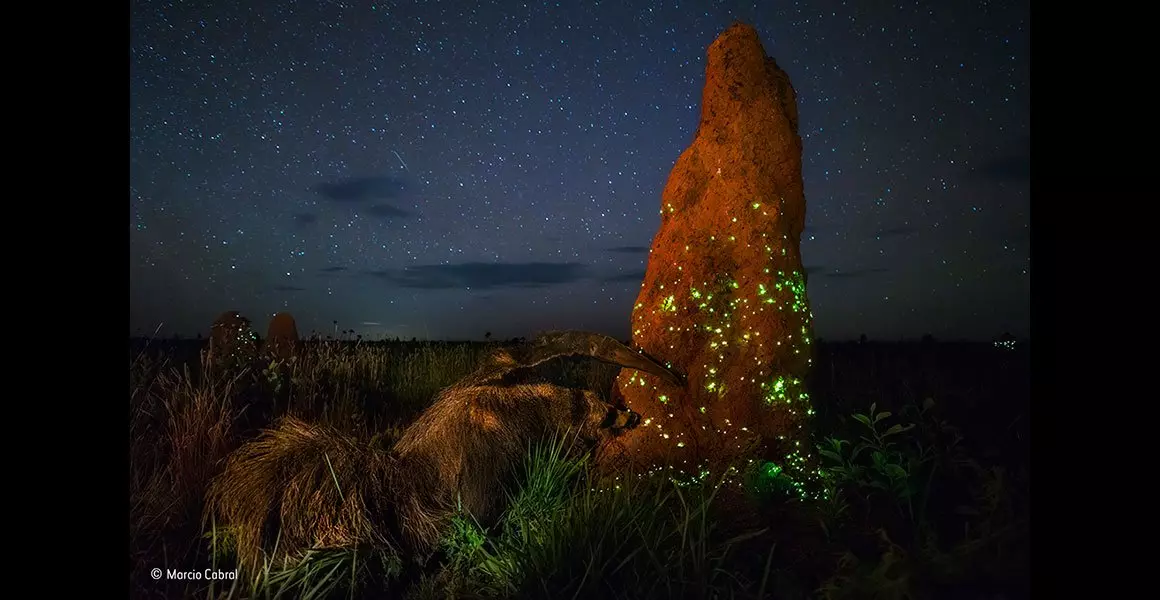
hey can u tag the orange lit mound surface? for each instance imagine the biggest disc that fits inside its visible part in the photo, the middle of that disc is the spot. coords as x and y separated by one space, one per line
724 294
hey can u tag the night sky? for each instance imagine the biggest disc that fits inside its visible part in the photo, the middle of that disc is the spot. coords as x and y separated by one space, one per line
444 169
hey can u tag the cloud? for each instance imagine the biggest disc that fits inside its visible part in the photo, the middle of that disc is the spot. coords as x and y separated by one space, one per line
305 218
386 211
900 231
361 188
334 269
288 288
631 276
628 249
483 275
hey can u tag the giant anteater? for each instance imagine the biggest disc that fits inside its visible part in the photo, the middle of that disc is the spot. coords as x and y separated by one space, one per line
318 488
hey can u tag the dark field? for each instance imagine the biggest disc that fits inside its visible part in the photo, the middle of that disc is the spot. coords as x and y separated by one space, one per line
936 507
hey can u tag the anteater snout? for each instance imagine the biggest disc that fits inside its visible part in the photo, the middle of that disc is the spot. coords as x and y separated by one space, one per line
625 419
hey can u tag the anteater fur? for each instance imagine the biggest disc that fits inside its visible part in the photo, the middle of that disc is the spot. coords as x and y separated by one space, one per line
306 486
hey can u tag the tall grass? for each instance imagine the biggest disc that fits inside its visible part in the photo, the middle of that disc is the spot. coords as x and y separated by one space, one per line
566 535
179 430
367 387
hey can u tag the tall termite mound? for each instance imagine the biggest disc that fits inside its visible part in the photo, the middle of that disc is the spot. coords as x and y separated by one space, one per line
282 336
724 294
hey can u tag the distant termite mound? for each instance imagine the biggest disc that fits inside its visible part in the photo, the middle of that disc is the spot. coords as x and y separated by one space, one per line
282 336
724 295
232 342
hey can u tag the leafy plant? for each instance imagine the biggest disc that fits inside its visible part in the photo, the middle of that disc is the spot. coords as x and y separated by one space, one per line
279 374
878 460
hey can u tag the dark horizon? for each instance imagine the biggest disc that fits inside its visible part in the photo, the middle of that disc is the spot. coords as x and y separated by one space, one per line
420 171
329 336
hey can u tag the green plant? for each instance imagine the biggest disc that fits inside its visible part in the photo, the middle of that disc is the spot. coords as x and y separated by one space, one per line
279 374
879 460
902 467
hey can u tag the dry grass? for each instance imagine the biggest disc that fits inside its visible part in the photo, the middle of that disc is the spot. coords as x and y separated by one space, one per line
312 486
180 429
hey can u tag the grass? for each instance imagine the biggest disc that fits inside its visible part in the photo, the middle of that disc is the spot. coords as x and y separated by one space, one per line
565 537
925 498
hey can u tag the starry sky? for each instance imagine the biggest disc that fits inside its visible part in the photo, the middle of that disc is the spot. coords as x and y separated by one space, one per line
439 169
